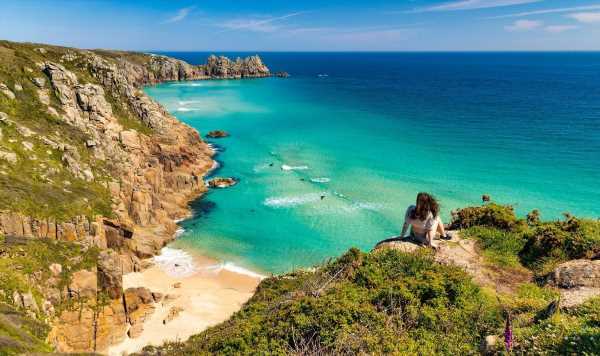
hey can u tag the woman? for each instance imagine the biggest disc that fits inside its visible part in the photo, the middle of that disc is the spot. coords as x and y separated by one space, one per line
424 219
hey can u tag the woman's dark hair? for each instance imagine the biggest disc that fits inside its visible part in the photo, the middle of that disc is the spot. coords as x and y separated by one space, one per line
426 204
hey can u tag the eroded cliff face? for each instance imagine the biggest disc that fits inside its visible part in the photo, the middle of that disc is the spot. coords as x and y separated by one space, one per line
148 163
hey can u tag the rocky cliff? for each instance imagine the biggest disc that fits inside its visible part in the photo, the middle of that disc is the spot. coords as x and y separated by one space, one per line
87 158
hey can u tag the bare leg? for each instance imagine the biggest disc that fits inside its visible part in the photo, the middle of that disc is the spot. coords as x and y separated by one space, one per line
440 228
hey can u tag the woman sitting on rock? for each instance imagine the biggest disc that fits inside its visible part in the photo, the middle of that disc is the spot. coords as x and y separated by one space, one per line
424 220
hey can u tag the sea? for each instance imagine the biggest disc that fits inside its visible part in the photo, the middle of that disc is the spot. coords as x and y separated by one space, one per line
331 157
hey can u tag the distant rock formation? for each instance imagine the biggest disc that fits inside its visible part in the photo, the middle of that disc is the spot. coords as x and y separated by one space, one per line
223 67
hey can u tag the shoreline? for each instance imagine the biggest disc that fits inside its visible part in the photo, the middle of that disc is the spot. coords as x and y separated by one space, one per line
197 292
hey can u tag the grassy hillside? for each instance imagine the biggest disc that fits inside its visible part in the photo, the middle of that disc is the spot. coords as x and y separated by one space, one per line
38 184
25 269
390 302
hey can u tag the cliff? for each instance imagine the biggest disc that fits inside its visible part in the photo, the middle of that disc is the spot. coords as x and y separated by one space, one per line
87 159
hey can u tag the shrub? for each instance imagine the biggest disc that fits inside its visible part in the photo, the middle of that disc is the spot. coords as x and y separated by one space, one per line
385 302
491 215
555 242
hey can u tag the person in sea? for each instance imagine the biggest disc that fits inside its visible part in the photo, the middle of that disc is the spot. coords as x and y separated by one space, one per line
424 221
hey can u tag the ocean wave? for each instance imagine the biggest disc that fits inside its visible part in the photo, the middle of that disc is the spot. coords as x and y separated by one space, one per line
368 206
285 167
175 262
261 167
320 180
232 267
283 202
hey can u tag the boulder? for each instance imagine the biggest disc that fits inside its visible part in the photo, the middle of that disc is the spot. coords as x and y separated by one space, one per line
221 182
489 345
282 75
9 157
4 90
136 297
18 87
130 139
4 119
91 100
217 134
110 275
40 82
173 313
25 131
576 273
397 244
55 269
28 146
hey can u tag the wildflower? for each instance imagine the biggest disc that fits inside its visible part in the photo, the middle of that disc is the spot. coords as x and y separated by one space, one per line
508 335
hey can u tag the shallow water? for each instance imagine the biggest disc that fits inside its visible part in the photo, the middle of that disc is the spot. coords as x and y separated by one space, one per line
330 162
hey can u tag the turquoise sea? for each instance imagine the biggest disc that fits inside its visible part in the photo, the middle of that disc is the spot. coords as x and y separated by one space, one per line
331 157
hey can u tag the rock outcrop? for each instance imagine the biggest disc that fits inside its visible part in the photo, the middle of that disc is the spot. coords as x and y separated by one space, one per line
217 134
577 280
221 182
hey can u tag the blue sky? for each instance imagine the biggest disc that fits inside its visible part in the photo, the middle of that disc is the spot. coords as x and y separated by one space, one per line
334 25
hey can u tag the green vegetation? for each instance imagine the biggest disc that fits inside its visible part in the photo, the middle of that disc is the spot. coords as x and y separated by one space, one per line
25 265
389 302
539 246
25 268
491 215
20 334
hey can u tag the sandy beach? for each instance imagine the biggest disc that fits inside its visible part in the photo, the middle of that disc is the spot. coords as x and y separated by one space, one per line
205 292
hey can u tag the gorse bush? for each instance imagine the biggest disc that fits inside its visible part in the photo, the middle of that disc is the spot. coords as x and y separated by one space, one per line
490 215
555 242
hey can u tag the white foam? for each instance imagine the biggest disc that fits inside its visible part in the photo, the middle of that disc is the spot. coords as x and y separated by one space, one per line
320 180
285 167
282 202
214 166
175 262
179 232
232 267
183 109
368 206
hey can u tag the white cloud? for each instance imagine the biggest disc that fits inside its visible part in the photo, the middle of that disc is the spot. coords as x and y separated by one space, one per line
549 11
256 25
586 17
473 5
559 28
524 25
181 14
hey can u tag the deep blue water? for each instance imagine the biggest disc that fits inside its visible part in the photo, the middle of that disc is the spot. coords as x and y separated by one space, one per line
521 127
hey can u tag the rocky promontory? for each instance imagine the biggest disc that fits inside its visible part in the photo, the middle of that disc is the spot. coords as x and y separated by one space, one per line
89 162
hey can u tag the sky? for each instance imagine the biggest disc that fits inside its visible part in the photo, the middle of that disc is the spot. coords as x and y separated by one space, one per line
307 25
